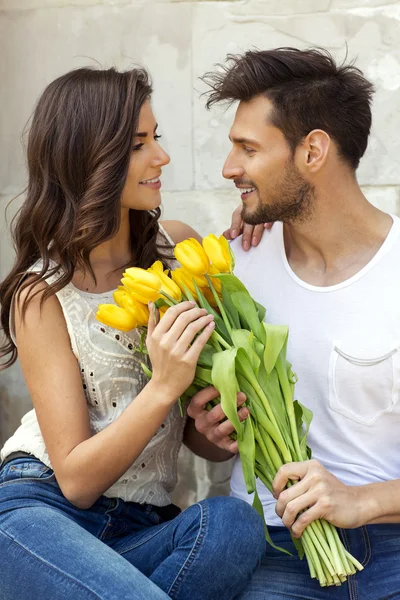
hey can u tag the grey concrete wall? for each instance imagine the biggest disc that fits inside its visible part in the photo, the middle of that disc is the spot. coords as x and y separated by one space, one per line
178 41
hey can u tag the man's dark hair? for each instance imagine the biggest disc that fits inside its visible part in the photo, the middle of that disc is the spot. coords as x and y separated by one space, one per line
308 91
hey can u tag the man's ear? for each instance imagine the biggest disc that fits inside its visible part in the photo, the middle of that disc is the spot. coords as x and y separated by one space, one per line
314 151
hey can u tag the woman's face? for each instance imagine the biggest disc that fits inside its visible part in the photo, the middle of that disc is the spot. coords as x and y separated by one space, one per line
142 186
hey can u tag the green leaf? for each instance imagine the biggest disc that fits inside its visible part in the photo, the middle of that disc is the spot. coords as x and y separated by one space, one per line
146 370
219 322
276 336
303 415
203 375
224 380
248 313
230 308
206 356
259 508
261 311
247 451
242 338
231 283
298 545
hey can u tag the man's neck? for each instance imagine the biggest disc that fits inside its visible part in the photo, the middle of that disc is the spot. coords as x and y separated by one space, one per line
343 234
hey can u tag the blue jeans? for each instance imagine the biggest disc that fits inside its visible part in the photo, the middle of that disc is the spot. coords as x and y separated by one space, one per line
377 547
119 550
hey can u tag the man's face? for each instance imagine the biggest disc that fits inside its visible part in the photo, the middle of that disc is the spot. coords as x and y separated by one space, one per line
262 166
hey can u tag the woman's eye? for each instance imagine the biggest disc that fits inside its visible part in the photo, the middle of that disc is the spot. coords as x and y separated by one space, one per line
138 146
157 136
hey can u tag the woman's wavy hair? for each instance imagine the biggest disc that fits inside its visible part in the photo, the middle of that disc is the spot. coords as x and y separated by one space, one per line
79 149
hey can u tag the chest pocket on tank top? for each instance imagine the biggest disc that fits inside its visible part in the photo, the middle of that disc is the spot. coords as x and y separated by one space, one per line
363 388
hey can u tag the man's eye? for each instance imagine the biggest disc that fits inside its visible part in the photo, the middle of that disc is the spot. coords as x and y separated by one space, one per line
138 146
248 150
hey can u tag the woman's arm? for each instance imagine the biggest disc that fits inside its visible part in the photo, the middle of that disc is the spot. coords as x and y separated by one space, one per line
86 465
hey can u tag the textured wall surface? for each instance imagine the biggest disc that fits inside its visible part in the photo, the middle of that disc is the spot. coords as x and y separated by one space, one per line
178 41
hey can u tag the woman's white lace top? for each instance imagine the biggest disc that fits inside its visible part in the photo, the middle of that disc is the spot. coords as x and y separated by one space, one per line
111 378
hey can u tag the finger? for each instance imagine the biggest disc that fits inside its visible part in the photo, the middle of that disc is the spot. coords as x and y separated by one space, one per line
199 401
180 323
297 506
247 235
291 471
226 428
190 332
257 235
198 405
153 318
311 514
227 234
193 353
288 495
268 225
236 224
171 315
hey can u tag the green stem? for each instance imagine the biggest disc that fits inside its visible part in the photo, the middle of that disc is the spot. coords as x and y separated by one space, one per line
339 567
221 340
287 394
171 300
264 478
319 547
314 556
341 549
268 448
220 305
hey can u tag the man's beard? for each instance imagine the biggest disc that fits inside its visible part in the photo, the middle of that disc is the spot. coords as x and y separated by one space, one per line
292 201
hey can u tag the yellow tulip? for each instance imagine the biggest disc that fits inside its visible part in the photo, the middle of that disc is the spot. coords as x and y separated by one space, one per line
183 278
123 298
117 317
143 285
192 256
157 267
167 285
218 252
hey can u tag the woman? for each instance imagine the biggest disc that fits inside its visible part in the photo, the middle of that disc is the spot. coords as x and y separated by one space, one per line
85 481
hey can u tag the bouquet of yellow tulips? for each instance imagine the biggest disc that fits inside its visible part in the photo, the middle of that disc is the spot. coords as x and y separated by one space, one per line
243 353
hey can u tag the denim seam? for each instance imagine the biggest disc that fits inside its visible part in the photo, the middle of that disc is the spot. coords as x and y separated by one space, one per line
368 552
351 580
142 541
174 588
50 566
27 480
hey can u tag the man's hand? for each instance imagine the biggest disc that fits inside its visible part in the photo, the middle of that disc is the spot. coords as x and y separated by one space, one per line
213 424
251 234
318 493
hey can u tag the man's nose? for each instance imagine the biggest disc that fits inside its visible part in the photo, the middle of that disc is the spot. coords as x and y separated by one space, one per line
231 169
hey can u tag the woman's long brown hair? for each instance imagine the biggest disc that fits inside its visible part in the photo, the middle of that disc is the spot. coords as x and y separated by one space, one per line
79 148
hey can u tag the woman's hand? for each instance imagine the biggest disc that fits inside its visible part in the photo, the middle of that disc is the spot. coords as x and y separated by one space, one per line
251 234
173 346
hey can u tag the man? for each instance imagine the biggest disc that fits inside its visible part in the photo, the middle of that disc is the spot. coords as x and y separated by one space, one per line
329 268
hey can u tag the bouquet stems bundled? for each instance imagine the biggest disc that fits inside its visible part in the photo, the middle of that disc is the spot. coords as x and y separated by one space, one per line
245 353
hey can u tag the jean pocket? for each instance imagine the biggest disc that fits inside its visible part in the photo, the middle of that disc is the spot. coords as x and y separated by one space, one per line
22 469
363 388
